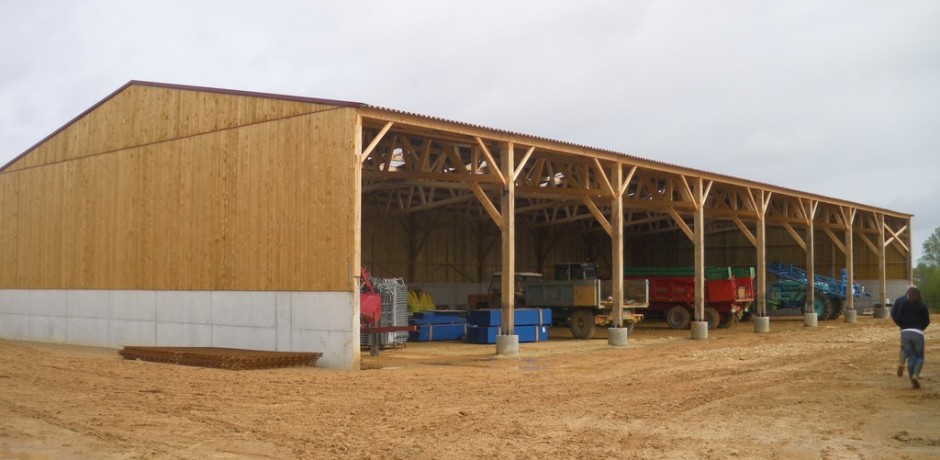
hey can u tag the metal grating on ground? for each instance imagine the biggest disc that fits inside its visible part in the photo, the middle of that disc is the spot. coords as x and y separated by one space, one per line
222 358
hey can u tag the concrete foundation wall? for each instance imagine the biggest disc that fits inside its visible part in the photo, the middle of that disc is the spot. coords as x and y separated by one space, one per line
325 322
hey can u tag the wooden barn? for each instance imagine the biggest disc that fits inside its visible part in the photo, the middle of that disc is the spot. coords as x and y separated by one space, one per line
187 216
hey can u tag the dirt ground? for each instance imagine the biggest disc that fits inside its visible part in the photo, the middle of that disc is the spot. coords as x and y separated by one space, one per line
828 392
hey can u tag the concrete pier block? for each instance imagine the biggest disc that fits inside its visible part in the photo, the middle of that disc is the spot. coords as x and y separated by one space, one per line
810 319
851 316
617 336
699 330
761 324
507 345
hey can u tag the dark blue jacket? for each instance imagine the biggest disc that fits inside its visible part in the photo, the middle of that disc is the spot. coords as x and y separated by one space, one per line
910 315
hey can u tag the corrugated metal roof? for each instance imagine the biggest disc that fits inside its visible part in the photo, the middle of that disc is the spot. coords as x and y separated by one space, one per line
693 171
342 103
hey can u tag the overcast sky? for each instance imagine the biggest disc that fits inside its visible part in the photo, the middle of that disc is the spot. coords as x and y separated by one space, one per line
839 98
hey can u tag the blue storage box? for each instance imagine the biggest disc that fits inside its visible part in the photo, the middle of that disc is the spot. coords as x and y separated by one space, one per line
435 332
522 317
482 334
438 317
532 333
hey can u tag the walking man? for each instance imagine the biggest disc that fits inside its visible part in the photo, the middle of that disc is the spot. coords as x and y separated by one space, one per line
911 315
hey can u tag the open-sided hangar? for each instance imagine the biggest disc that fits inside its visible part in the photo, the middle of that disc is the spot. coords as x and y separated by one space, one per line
188 216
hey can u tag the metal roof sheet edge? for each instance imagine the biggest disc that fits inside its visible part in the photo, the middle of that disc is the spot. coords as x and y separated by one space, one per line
342 103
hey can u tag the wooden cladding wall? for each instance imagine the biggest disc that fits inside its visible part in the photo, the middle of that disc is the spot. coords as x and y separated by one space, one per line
263 206
731 248
141 115
455 248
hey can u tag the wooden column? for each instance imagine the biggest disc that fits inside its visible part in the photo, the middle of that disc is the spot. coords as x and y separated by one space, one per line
909 258
809 208
617 246
759 204
696 193
357 210
850 259
508 211
699 242
762 255
882 269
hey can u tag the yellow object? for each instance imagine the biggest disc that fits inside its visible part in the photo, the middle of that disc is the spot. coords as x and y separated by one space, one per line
427 302
420 302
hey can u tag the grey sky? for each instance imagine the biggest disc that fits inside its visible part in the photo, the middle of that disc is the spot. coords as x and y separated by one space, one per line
840 98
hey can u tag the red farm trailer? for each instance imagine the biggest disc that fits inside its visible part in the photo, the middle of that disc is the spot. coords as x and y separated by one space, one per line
729 291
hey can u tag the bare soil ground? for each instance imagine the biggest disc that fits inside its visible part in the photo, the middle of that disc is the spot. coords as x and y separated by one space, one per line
828 392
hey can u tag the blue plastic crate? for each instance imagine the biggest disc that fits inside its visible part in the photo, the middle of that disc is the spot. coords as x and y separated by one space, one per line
485 335
436 332
482 334
522 317
438 317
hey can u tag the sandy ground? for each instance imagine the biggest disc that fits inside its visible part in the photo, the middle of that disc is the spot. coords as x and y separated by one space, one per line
828 392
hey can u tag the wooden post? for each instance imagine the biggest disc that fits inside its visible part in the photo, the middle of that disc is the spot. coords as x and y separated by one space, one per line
617 246
354 270
699 242
909 258
810 212
508 211
850 260
882 269
762 256
357 211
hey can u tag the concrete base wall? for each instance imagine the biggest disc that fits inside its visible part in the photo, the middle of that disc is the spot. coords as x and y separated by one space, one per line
325 322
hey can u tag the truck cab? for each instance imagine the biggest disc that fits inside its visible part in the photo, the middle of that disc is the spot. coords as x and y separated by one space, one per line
492 297
575 271
581 301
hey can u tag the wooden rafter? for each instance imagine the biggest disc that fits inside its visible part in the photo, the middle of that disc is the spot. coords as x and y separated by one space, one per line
410 168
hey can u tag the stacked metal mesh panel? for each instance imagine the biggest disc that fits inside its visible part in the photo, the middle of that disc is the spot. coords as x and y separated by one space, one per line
394 294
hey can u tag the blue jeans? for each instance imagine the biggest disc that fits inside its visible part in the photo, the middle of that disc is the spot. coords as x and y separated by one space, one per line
912 351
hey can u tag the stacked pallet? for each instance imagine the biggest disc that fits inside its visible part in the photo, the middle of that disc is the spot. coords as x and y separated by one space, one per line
436 325
531 324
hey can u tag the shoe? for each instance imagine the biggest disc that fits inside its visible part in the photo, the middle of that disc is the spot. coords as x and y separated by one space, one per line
900 371
915 383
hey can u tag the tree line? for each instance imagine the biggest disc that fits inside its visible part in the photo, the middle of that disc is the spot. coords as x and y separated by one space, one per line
927 271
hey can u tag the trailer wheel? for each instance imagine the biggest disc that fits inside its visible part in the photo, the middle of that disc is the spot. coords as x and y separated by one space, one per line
678 317
582 324
727 319
821 307
836 308
712 317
